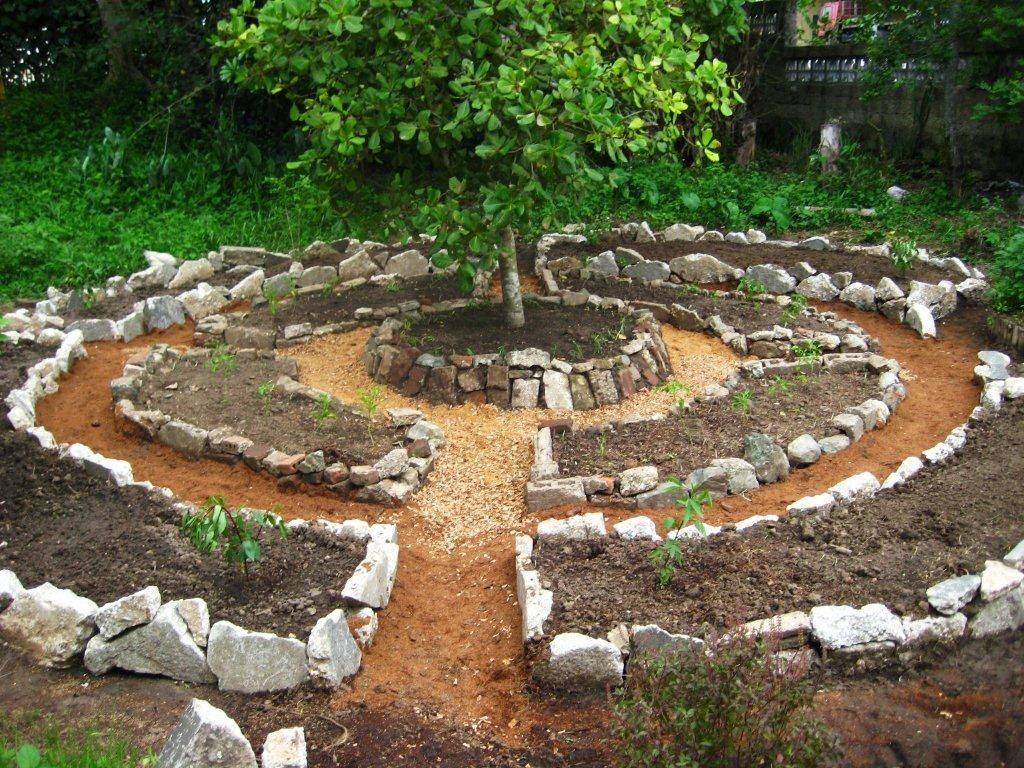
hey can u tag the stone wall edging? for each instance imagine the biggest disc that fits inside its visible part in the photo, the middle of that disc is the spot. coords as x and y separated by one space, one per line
854 639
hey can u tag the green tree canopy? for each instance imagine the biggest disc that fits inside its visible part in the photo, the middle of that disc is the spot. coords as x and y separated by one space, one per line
497 106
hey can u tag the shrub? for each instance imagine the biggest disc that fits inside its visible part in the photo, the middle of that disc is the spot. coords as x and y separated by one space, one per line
213 526
736 705
1007 293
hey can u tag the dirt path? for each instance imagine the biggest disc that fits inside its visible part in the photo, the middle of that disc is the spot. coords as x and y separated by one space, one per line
450 638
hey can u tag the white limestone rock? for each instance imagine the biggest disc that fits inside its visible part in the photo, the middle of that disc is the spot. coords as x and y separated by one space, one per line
859 295
823 502
818 287
997 579
842 626
535 603
909 467
637 528
580 664
774 278
544 494
859 486
1003 614
127 612
575 528
703 268
949 596
637 480
920 318
803 450
285 748
10 588
205 737
51 625
190 273
332 651
934 629
255 662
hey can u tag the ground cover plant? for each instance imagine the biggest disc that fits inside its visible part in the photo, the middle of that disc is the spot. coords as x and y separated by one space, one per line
43 743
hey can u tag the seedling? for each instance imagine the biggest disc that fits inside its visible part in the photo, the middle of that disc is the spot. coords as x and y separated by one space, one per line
796 307
807 351
323 410
778 386
265 391
681 390
904 252
213 526
369 398
602 339
221 359
394 285
329 287
602 444
752 289
667 557
741 400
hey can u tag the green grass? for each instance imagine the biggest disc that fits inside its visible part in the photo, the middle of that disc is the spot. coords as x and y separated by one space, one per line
62 225
41 744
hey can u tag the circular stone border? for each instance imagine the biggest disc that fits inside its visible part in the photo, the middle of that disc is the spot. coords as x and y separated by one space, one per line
527 378
392 479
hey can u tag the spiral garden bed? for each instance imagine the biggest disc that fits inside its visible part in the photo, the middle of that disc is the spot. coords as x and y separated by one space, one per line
811 384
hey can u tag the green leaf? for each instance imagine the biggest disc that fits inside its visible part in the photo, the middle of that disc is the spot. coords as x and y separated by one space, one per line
28 756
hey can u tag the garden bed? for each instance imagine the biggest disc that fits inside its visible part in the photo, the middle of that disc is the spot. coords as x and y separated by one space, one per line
781 407
63 525
866 267
15 359
244 406
945 521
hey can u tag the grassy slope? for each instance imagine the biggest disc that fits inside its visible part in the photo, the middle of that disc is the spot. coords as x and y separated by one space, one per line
59 226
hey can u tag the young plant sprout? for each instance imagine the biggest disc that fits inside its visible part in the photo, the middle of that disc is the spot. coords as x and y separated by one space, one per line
667 557
221 359
369 398
904 252
265 391
213 526
323 410
752 289
741 400
795 308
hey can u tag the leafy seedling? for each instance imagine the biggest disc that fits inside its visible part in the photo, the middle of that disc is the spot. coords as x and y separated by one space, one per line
795 308
741 400
323 410
265 391
778 386
807 351
667 557
904 252
213 526
369 398
221 360
752 289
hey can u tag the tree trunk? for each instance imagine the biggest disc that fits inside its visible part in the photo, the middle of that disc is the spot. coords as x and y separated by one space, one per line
511 293
951 103
120 66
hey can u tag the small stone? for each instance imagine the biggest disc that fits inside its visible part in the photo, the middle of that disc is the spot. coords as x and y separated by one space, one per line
823 502
949 596
741 477
285 748
650 640
850 424
920 318
575 528
834 444
858 486
997 579
938 454
1014 558
525 393
803 450
637 528
684 232
816 243
887 290
638 480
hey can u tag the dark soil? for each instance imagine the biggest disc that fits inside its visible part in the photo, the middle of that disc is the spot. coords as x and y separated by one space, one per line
76 531
889 549
229 398
15 359
570 333
783 408
746 316
865 268
339 306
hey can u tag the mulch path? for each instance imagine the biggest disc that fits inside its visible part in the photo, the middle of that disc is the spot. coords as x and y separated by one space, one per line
888 549
783 408
82 533
865 268
230 398
570 333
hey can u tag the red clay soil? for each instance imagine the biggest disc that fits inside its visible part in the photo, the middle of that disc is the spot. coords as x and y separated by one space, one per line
450 638
940 395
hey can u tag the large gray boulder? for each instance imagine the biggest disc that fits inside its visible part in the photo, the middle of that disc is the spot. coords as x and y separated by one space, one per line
580 664
818 287
52 625
332 652
409 263
358 265
774 278
205 737
254 662
164 646
768 459
190 273
648 271
841 626
162 312
703 268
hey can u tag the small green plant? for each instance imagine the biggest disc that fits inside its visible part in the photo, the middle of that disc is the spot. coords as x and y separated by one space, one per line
680 390
394 285
904 253
369 398
1007 294
807 351
667 557
795 308
779 386
602 444
323 410
741 400
329 287
604 339
213 526
265 391
751 289
221 359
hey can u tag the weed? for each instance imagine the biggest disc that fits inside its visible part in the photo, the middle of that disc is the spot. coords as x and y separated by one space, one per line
807 351
602 444
265 391
741 400
323 410
605 339
778 386
668 555
394 285
795 308
221 359
213 526
751 289
904 253
681 390
329 287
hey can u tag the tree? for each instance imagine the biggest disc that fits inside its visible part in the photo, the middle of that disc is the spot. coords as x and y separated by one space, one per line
497 107
921 43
